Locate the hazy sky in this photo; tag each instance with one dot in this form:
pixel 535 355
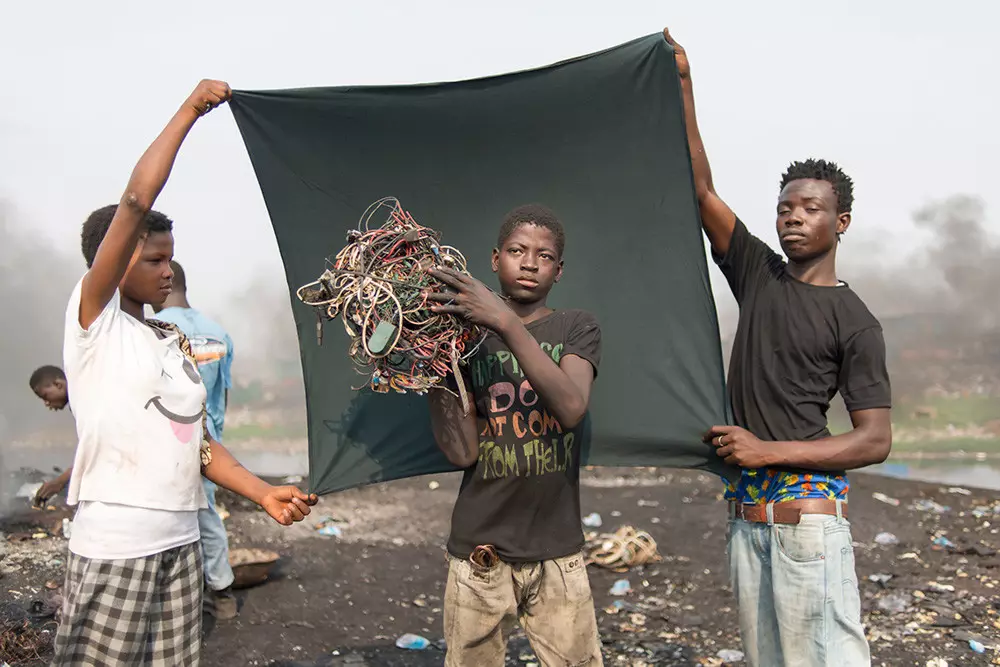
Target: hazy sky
pixel 903 94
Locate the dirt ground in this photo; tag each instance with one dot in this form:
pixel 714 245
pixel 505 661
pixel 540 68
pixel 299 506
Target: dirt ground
pixel 345 600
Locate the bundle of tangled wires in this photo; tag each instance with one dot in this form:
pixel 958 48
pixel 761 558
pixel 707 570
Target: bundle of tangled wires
pixel 378 285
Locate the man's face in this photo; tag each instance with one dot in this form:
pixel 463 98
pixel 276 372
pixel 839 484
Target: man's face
pixel 149 274
pixel 528 263
pixel 53 394
pixel 808 221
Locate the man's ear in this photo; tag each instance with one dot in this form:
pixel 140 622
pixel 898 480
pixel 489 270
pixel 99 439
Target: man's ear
pixel 843 222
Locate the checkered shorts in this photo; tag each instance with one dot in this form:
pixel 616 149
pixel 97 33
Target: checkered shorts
pixel 135 611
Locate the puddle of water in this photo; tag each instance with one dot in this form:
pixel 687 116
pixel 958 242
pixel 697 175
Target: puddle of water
pixel 983 475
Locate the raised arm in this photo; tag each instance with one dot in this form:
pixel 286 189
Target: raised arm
pixel 456 433
pixel 717 218
pixel 148 178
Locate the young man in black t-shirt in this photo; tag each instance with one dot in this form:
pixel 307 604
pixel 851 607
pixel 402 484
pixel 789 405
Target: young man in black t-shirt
pixel 516 539
pixel 803 335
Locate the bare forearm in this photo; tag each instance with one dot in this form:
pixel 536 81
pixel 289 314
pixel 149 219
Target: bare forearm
pixel 848 451
pixel 153 169
pixel 144 186
pixel 454 431
pixel 228 473
pixel 717 219
pixel 699 160
pixel 556 389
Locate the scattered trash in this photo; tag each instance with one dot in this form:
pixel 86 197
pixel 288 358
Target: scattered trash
pixel 937 662
pixel 976 646
pixel 879 578
pixel 412 642
pixel 434 485
pixel 957 490
pixel 614 607
pixel 222 511
pixel 67 528
pixel 293 479
pixel 894 603
pixel 616 514
pixel 300 624
pixel 942 541
pixel 625 548
pixel 982 511
pixel 940 588
pixel 648 503
pixel 621 587
pixel 593 520
pixel 878 495
pixel 986 643
pixel 328 527
pixel 728 655
pixel 886 539
pixel 927 505
pixel 28 490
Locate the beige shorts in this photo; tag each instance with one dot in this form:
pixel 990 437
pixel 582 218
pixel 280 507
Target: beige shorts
pixel 551 599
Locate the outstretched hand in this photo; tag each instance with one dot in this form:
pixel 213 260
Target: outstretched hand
pixel 49 489
pixel 287 504
pixel 471 300
pixel 208 95
pixel 680 55
pixel 738 446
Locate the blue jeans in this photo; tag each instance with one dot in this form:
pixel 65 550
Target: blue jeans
pixel 797 592
pixel 214 543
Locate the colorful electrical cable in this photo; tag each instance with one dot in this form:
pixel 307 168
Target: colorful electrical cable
pixel 378 285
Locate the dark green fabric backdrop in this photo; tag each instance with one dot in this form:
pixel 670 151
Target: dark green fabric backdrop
pixel 601 140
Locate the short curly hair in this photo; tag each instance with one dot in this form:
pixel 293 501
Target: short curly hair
pixel 44 375
pixel 533 214
pixel 95 227
pixel 822 170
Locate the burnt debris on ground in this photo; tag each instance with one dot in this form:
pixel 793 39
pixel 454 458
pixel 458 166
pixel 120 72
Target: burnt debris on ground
pixel 374 571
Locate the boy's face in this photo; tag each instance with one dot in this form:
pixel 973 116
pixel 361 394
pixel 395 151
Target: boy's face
pixel 53 394
pixel 808 221
pixel 528 263
pixel 149 274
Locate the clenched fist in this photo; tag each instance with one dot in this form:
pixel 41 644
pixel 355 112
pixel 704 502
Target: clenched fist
pixel 208 95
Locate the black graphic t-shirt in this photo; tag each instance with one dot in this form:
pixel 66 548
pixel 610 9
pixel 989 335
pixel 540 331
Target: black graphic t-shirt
pixel 523 494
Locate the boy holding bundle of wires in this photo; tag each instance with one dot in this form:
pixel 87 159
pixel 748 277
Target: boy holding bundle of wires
pixel 515 545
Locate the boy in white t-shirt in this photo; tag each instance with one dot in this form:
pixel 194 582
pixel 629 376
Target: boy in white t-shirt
pixel 134 575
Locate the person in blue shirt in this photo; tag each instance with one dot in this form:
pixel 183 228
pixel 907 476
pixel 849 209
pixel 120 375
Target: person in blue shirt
pixel 213 349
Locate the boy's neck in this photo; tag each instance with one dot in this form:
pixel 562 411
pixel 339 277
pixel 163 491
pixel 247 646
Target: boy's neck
pixel 133 308
pixel 820 271
pixel 529 312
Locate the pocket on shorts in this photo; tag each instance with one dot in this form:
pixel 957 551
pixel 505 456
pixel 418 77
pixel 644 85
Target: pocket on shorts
pixel 804 542
pixel 575 580
pixel 850 595
pixel 477 587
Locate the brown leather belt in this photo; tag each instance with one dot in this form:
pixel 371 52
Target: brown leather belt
pixel 790 511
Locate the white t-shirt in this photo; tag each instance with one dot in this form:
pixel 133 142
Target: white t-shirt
pixel 138 403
